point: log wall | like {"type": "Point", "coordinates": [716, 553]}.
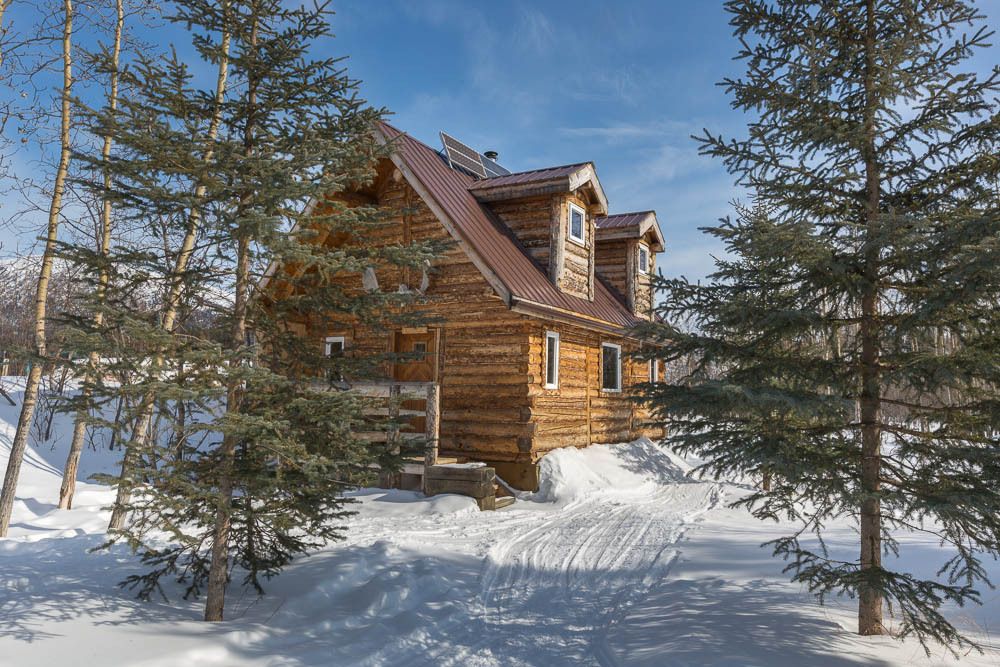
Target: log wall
{"type": "Point", "coordinates": [579, 412]}
{"type": "Point", "coordinates": [531, 221]}
{"type": "Point", "coordinates": [611, 258]}
{"type": "Point", "coordinates": [577, 275]}
{"type": "Point", "coordinates": [483, 364]}
{"type": "Point", "coordinates": [643, 300]}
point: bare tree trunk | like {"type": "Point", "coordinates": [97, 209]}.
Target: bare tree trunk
{"type": "Point", "coordinates": [68, 485]}
{"type": "Point", "coordinates": [172, 303]}
{"type": "Point", "coordinates": [869, 596]}
{"type": "Point", "coordinates": [42, 291]}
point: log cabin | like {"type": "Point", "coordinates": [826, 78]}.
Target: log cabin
{"type": "Point", "coordinates": [532, 303]}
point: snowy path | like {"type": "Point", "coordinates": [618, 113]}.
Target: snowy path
{"type": "Point", "coordinates": [553, 583]}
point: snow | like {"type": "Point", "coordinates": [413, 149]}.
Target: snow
{"type": "Point", "coordinates": [619, 559]}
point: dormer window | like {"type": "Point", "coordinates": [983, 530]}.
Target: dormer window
{"type": "Point", "coordinates": [643, 259]}
{"type": "Point", "coordinates": [577, 227]}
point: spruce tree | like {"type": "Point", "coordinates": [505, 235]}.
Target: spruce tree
{"type": "Point", "coordinates": [255, 474]}
{"type": "Point", "coordinates": [846, 346]}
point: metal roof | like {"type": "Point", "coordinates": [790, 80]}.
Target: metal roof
{"type": "Point", "coordinates": [630, 225]}
{"type": "Point", "coordinates": [622, 220]}
{"type": "Point", "coordinates": [494, 245]}
{"type": "Point", "coordinates": [533, 176]}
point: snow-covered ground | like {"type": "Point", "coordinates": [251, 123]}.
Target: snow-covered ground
{"type": "Point", "coordinates": [618, 560]}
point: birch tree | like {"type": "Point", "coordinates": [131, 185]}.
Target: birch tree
{"type": "Point", "coordinates": [68, 485]}
{"type": "Point", "coordinates": [34, 377]}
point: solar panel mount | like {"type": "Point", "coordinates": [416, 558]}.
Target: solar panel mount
{"type": "Point", "coordinates": [469, 160]}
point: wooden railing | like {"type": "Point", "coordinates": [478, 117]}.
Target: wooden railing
{"type": "Point", "coordinates": [396, 394]}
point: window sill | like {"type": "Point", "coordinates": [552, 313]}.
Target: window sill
{"type": "Point", "coordinates": [550, 387]}
{"type": "Point", "coordinates": [580, 242]}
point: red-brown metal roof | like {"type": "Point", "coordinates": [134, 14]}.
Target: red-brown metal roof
{"type": "Point", "coordinates": [533, 176]}
{"type": "Point", "coordinates": [493, 242]}
{"type": "Point", "coordinates": [620, 220]}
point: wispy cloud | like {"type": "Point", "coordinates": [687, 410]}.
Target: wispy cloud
{"type": "Point", "coordinates": [535, 31]}
{"type": "Point", "coordinates": [626, 132]}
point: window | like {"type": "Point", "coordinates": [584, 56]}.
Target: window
{"type": "Point", "coordinates": [643, 259]}
{"type": "Point", "coordinates": [577, 220]}
{"type": "Point", "coordinates": [611, 367]}
{"type": "Point", "coordinates": [654, 371]}
{"type": "Point", "coordinates": [334, 346]}
{"type": "Point", "coordinates": [551, 360]}
{"type": "Point", "coordinates": [420, 350]}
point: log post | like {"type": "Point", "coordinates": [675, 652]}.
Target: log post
{"type": "Point", "coordinates": [389, 480]}
{"type": "Point", "coordinates": [433, 419]}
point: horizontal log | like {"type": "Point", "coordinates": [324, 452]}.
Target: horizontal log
{"type": "Point", "coordinates": [433, 487]}
{"type": "Point", "coordinates": [474, 473]}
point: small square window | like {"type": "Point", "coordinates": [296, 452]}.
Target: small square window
{"type": "Point", "coordinates": [334, 346]}
{"type": "Point", "coordinates": [551, 360]}
{"type": "Point", "coordinates": [420, 350]}
{"type": "Point", "coordinates": [577, 224]}
{"type": "Point", "coordinates": [643, 259]}
{"type": "Point", "coordinates": [611, 367]}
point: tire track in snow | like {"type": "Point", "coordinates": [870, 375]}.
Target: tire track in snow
{"type": "Point", "coordinates": [549, 594]}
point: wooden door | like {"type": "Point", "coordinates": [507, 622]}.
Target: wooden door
{"type": "Point", "coordinates": [422, 364]}
{"type": "Point", "coordinates": [422, 346]}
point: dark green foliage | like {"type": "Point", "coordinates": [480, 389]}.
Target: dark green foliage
{"type": "Point", "coordinates": [249, 434]}
{"type": "Point", "coordinates": [859, 294]}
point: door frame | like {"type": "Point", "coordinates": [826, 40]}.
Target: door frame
{"type": "Point", "coordinates": [437, 337]}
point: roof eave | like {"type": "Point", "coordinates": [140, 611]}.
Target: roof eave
{"type": "Point", "coordinates": [535, 309]}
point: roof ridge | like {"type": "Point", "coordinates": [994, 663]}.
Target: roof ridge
{"type": "Point", "coordinates": [622, 215]}
{"type": "Point", "coordinates": [532, 171]}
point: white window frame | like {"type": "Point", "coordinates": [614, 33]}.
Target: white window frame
{"type": "Point", "coordinates": [582, 239]}
{"type": "Point", "coordinates": [618, 348]}
{"type": "Point", "coordinates": [551, 335]}
{"type": "Point", "coordinates": [643, 248]}
{"type": "Point", "coordinates": [328, 344]}
{"type": "Point", "coordinates": [654, 371]}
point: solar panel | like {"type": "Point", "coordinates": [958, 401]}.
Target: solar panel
{"type": "Point", "coordinates": [463, 157]}
{"type": "Point", "coordinates": [466, 158]}
{"type": "Point", "coordinates": [492, 168]}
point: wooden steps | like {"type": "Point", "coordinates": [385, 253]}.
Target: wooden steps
{"type": "Point", "coordinates": [504, 501]}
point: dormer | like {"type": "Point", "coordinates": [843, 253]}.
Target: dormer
{"type": "Point", "coordinates": [552, 212]}
{"type": "Point", "coordinates": [627, 245]}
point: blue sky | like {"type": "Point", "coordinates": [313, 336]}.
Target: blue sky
{"type": "Point", "coordinates": [623, 84]}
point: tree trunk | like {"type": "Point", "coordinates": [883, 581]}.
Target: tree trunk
{"type": "Point", "coordinates": [42, 291]}
{"type": "Point", "coordinates": [172, 303]}
{"type": "Point", "coordinates": [869, 595]}
{"type": "Point", "coordinates": [68, 485]}
{"type": "Point", "coordinates": [218, 572]}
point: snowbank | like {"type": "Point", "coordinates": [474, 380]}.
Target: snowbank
{"type": "Point", "coordinates": [637, 467]}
